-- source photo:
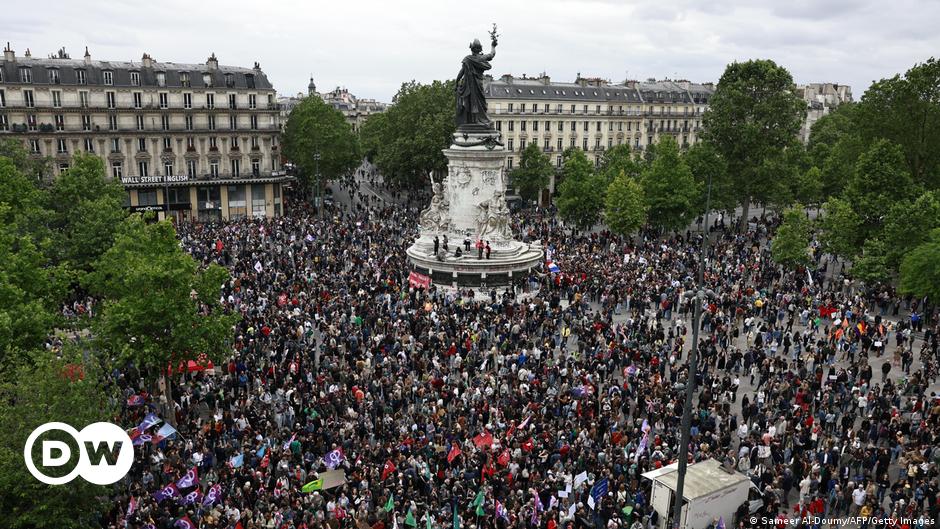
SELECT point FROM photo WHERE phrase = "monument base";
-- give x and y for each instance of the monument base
(470, 204)
(509, 262)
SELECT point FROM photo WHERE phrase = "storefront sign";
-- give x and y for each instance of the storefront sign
(155, 179)
(153, 207)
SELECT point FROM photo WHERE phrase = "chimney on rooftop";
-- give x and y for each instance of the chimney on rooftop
(8, 54)
(87, 55)
(506, 78)
(147, 60)
(212, 63)
(545, 78)
(28, 53)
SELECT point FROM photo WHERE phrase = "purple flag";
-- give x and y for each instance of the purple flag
(190, 479)
(150, 420)
(170, 491)
(289, 441)
(213, 496)
(142, 438)
(184, 523)
(193, 497)
(333, 459)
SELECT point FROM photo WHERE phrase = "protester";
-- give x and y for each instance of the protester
(508, 407)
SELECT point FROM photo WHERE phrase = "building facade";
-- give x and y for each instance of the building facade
(189, 141)
(354, 109)
(592, 114)
(821, 98)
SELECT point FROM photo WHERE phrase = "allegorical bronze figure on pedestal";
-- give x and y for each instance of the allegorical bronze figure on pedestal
(471, 101)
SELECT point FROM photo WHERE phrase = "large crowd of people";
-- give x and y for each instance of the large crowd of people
(505, 408)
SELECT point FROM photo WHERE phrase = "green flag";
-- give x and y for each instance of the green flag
(390, 504)
(478, 501)
(410, 519)
(428, 518)
(480, 510)
(456, 519)
(312, 486)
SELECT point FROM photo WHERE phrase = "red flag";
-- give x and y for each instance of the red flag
(512, 430)
(238, 525)
(503, 458)
(387, 469)
(265, 461)
(528, 445)
(454, 452)
(484, 440)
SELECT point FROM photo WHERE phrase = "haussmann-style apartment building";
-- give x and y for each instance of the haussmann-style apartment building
(593, 115)
(195, 142)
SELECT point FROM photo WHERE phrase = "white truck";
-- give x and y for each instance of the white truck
(712, 491)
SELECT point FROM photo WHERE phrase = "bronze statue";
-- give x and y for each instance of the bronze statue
(471, 103)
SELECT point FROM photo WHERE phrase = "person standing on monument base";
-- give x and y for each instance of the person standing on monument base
(479, 248)
(488, 249)
(437, 244)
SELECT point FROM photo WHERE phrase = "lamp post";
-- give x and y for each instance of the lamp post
(316, 195)
(699, 295)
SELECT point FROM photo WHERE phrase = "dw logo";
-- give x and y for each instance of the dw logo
(105, 453)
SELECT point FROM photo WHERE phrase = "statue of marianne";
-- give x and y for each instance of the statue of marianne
(471, 103)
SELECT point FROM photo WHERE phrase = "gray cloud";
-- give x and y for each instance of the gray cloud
(372, 46)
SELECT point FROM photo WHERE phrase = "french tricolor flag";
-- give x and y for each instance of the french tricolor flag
(552, 267)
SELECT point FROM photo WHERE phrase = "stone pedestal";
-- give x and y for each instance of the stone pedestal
(471, 203)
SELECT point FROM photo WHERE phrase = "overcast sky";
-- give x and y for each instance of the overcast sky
(372, 46)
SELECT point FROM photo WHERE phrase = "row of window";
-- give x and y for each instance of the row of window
(89, 143)
(163, 100)
(559, 109)
(107, 77)
(143, 169)
(140, 122)
(673, 124)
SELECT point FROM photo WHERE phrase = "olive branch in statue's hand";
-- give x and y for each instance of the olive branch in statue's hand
(494, 35)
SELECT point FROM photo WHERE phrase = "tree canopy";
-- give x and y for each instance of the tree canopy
(672, 194)
(625, 205)
(407, 143)
(314, 127)
(533, 173)
(581, 193)
(790, 245)
(752, 117)
(180, 316)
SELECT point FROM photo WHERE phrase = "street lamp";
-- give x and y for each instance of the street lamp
(699, 294)
(317, 199)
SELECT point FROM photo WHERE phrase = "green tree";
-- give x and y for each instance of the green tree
(908, 225)
(618, 160)
(87, 208)
(839, 165)
(625, 205)
(790, 246)
(840, 228)
(920, 270)
(314, 127)
(808, 187)
(752, 117)
(880, 179)
(533, 173)
(871, 265)
(159, 308)
(581, 193)
(407, 144)
(38, 392)
(36, 168)
(906, 111)
(671, 192)
(371, 135)
(705, 163)
(30, 292)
